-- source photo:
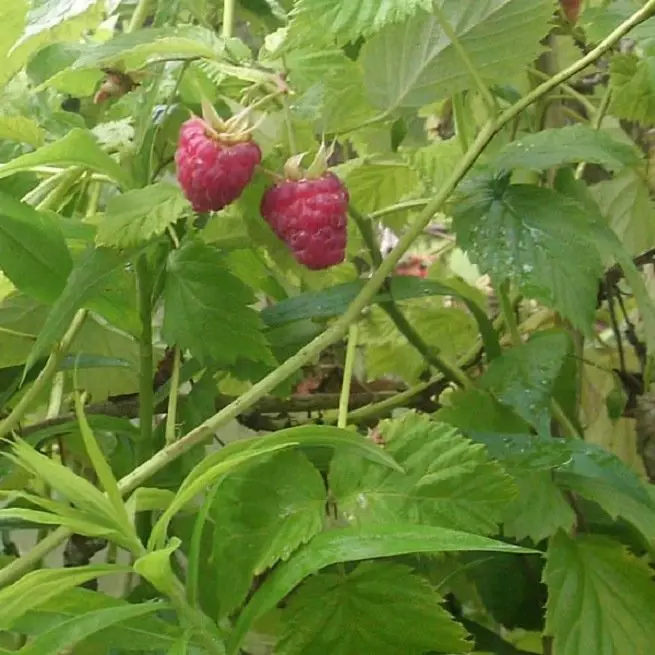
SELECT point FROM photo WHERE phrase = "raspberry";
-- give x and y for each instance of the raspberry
(212, 169)
(309, 215)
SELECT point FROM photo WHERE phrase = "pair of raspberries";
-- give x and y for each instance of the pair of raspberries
(308, 214)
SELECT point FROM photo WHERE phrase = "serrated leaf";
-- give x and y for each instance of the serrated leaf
(134, 49)
(136, 216)
(566, 145)
(599, 22)
(143, 634)
(363, 611)
(206, 308)
(448, 480)
(378, 183)
(414, 64)
(85, 281)
(626, 204)
(633, 88)
(76, 629)
(524, 377)
(540, 509)
(347, 20)
(611, 590)
(261, 515)
(43, 15)
(38, 587)
(22, 130)
(77, 148)
(355, 545)
(33, 252)
(246, 451)
(538, 239)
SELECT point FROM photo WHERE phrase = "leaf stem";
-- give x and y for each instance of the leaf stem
(487, 96)
(146, 365)
(365, 227)
(45, 376)
(139, 16)
(171, 416)
(507, 312)
(351, 355)
(228, 18)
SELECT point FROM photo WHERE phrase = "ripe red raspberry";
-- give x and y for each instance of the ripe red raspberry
(309, 215)
(213, 170)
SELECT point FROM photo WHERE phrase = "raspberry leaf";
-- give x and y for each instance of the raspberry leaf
(77, 148)
(633, 88)
(259, 516)
(612, 593)
(524, 377)
(626, 204)
(33, 252)
(449, 481)
(206, 308)
(415, 64)
(573, 144)
(542, 241)
(351, 20)
(360, 612)
(137, 216)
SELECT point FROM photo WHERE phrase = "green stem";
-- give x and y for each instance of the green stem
(430, 354)
(365, 227)
(228, 18)
(139, 16)
(399, 207)
(58, 195)
(597, 123)
(460, 121)
(289, 123)
(507, 312)
(340, 326)
(570, 91)
(351, 355)
(45, 376)
(570, 431)
(19, 567)
(146, 364)
(171, 417)
(487, 96)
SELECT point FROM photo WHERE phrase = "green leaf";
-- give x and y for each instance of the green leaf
(524, 377)
(355, 545)
(538, 239)
(33, 252)
(380, 607)
(261, 514)
(632, 81)
(103, 470)
(71, 632)
(540, 509)
(206, 308)
(145, 633)
(43, 15)
(601, 599)
(246, 451)
(77, 148)
(136, 216)
(347, 20)
(135, 49)
(414, 64)
(449, 481)
(566, 145)
(85, 282)
(625, 203)
(155, 566)
(22, 130)
(37, 587)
